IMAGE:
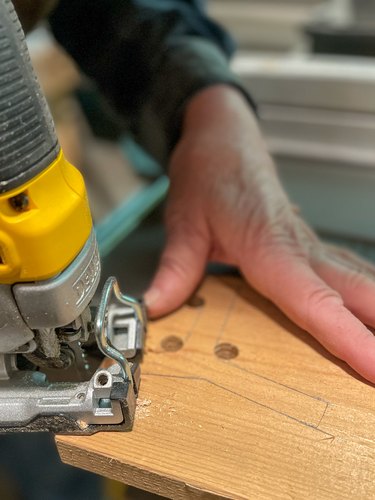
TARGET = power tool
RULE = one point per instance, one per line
(50, 271)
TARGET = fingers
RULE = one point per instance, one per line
(180, 269)
(354, 279)
(306, 299)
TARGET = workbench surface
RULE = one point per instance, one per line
(237, 402)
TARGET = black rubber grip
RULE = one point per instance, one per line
(28, 142)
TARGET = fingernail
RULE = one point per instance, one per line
(151, 297)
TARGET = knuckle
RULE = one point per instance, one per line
(175, 266)
(321, 296)
(317, 302)
(184, 230)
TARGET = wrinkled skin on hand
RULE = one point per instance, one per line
(226, 204)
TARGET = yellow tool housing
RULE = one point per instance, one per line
(43, 224)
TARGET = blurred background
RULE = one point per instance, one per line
(309, 66)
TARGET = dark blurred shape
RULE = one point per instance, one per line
(30, 12)
(136, 494)
(356, 37)
(351, 40)
(30, 469)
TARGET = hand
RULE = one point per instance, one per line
(226, 204)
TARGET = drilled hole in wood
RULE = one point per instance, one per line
(172, 343)
(226, 351)
(195, 301)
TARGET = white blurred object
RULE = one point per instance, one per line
(264, 25)
(318, 116)
(342, 83)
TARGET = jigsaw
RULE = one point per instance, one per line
(50, 272)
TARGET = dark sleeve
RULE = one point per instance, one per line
(148, 57)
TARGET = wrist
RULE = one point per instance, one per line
(220, 127)
(218, 106)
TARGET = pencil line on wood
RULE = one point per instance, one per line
(316, 398)
(227, 315)
(325, 410)
(202, 379)
(194, 324)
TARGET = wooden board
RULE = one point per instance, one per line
(237, 402)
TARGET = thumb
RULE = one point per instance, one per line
(181, 267)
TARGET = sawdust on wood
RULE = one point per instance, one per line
(143, 408)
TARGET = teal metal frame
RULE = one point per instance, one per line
(123, 219)
(129, 214)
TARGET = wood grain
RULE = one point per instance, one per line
(281, 420)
